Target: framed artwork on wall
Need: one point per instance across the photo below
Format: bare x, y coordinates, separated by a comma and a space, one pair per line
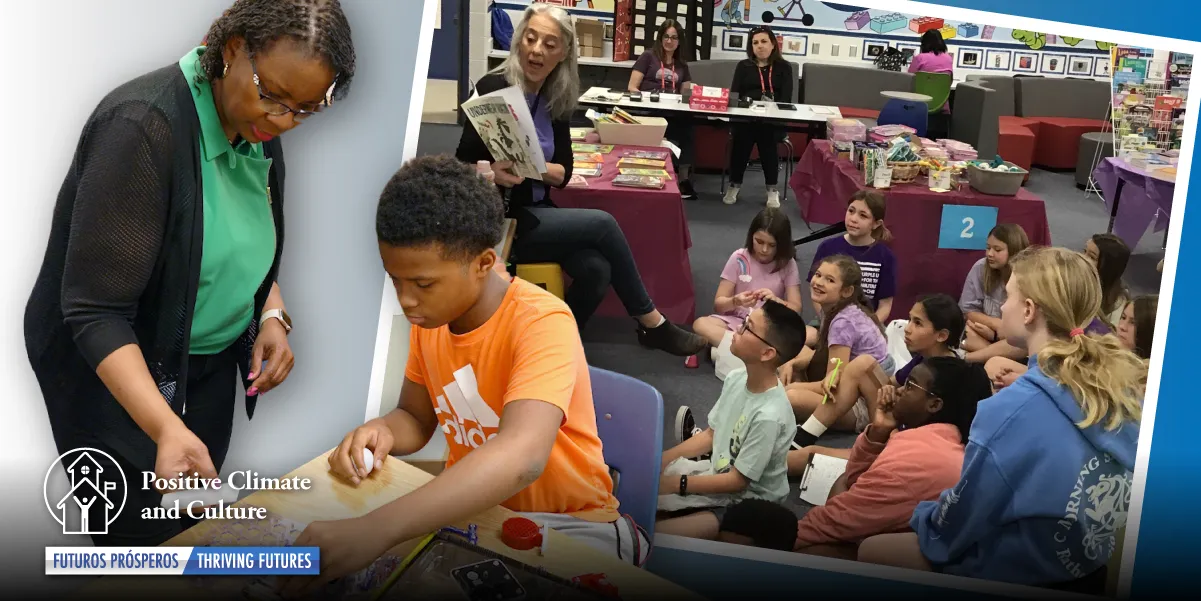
911, 49
872, 49
1080, 66
1101, 67
1025, 62
733, 41
795, 45
998, 60
969, 58
1053, 64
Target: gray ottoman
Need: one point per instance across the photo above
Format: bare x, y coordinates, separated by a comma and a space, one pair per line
1088, 156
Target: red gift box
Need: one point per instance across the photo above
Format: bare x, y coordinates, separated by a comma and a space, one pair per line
706, 98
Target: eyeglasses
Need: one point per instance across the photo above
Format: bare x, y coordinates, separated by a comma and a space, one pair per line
671, 37
746, 329
909, 384
277, 107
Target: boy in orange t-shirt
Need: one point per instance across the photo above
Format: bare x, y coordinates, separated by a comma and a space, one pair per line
496, 364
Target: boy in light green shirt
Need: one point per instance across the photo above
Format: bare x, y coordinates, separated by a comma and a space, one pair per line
750, 432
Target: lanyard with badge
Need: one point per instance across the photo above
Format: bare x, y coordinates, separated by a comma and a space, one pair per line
768, 90
663, 77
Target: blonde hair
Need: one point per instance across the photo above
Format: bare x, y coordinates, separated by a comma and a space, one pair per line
562, 87
1106, 380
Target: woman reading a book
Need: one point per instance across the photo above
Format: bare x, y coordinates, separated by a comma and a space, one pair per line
588, 244
663, 68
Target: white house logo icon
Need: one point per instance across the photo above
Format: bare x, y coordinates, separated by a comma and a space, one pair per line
93, 496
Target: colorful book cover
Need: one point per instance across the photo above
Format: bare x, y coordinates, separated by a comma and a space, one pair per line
639, 181
588, 157
640, 162
657, 155
647, 172
579, 133
601, 148
577, 181
585, 172
506, 127
586, 165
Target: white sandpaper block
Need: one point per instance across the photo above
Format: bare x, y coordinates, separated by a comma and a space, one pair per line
368, 460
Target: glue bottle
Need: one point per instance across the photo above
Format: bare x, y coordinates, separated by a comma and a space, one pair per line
484, 170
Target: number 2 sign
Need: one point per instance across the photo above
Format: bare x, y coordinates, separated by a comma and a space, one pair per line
966, 227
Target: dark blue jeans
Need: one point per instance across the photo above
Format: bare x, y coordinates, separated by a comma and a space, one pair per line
591, 248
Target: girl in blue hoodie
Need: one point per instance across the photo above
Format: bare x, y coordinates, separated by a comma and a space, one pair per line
1046, 475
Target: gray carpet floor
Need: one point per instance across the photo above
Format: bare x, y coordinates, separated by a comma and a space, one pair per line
718, 229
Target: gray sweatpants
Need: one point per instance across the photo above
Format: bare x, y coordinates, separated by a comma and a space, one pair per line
612, 538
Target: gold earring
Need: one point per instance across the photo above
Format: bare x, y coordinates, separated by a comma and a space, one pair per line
225, 71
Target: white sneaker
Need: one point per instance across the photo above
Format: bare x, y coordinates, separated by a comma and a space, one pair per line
731, 196
773, 198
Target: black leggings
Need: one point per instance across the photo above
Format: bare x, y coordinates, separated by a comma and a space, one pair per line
748, 136
680, 132
212, 380
591, 248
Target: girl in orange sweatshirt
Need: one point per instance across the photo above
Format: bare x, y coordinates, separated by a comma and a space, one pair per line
911, 452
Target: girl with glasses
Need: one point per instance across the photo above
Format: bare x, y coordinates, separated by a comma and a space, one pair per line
912, 451
158, 285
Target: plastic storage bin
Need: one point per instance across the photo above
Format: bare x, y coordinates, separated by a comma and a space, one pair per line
996, 183
846, 130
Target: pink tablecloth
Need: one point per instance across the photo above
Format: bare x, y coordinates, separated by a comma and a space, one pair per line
656, 228
823, 183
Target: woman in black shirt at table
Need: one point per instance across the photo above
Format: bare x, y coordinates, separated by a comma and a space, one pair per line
764, 75
588, 244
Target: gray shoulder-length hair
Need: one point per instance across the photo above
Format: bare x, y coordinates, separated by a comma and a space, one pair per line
562, 87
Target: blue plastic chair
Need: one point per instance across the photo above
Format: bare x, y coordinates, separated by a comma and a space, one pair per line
629, 418
904, 112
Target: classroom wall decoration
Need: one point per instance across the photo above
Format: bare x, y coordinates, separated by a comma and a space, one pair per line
695, 16
993, 48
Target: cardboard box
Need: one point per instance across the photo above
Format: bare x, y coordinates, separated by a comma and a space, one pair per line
706, 98
649, 131
591, 36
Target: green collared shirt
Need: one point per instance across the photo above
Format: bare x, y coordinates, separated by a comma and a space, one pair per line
239, 229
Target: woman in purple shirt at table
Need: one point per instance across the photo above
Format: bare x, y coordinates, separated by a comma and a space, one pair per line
588, 244
664, 68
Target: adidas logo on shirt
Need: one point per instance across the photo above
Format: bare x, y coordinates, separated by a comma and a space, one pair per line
464, 415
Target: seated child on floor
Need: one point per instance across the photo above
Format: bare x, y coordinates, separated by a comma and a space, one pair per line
984, 287
1109, 254
1137, 326
1004, 369
865, 242
759, 523
764, 268
934, 329
750, 428
1062, 436
849, 330
911, 452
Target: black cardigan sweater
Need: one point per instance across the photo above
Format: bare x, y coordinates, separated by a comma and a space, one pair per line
123, 262
747, 82
472, 149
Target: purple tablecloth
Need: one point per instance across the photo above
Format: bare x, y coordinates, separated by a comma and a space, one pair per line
1145, 198
823, 183
656, 228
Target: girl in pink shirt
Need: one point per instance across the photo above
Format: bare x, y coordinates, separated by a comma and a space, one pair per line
764, 268
912, 451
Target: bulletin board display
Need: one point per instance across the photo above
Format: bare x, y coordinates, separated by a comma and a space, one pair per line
695, 16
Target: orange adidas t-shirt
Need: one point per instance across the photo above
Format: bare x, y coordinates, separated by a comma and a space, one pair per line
529, 349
